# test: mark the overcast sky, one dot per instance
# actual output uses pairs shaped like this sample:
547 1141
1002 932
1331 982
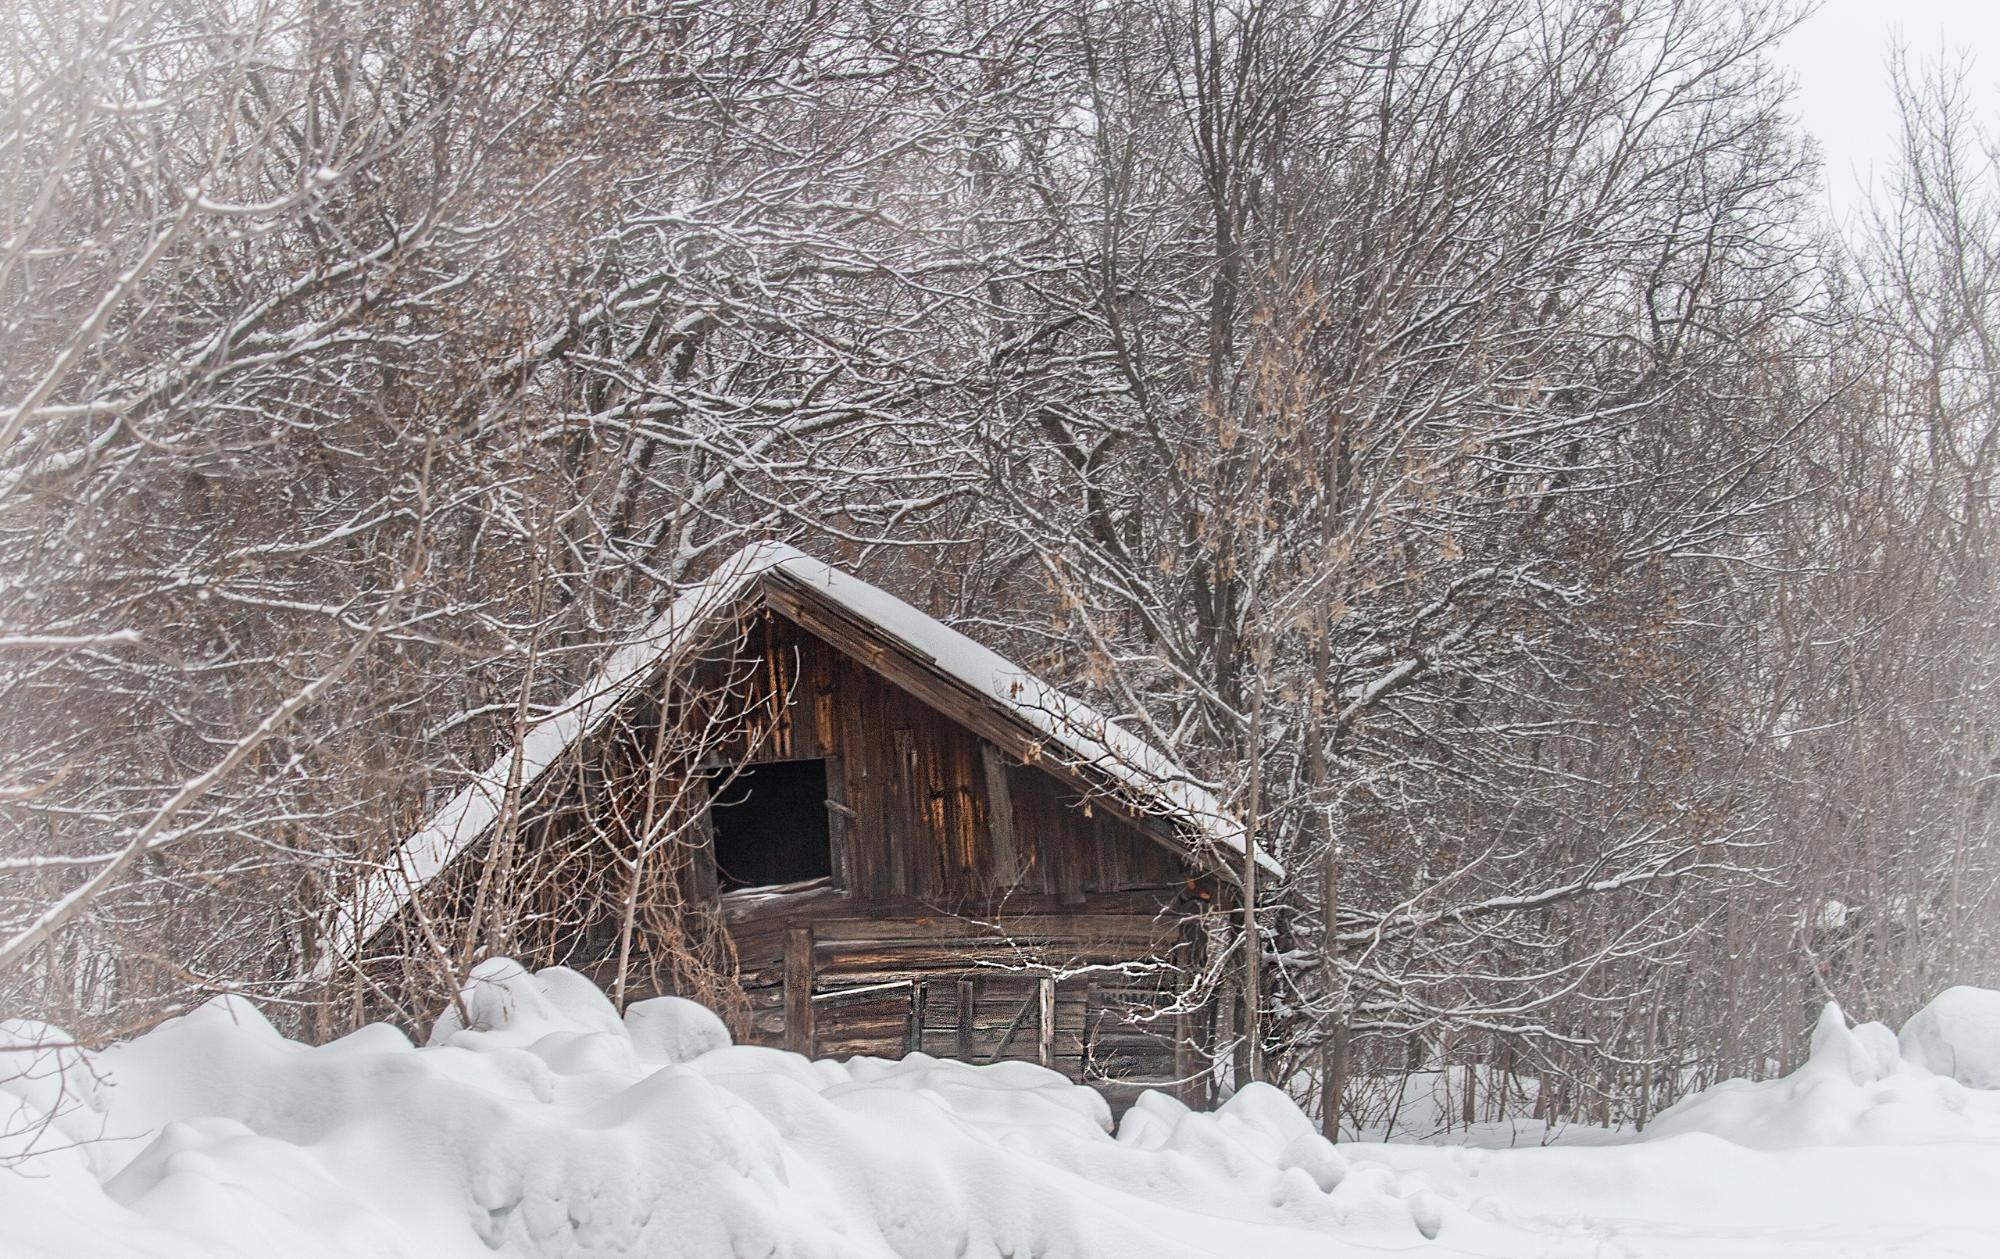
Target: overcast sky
1839 55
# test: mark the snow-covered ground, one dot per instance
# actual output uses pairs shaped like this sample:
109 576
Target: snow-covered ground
543 1124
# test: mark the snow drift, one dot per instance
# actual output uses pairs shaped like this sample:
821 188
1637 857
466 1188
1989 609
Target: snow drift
1856 1088
539 1122
1957 1034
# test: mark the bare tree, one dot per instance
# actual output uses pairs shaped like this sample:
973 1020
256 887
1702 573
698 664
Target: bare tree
1442 426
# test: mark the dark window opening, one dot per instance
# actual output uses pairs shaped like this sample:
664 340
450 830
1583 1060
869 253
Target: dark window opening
770 825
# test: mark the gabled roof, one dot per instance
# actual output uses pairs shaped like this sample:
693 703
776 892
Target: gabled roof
1069 734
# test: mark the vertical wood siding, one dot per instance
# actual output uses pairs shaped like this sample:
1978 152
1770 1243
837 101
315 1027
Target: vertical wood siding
920 791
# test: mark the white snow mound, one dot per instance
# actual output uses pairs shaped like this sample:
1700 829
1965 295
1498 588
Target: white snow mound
1957 1035
1855 1088
538 1122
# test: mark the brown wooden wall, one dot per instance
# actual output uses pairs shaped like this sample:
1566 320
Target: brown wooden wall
946 920
920 790
827 976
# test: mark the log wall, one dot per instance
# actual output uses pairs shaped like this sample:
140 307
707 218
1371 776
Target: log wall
829 976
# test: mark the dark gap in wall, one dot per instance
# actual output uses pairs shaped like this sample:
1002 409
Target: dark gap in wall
771 825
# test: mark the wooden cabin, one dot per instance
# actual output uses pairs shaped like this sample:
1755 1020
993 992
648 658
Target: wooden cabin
910 843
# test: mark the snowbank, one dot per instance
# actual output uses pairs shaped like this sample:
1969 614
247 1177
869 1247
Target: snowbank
1957 1034
1856 1088
539 1122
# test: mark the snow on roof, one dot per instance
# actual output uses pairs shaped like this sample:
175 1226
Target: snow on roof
1081 735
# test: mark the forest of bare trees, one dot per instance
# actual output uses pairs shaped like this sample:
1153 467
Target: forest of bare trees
1454 430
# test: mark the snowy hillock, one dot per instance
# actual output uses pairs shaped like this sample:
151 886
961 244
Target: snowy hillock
1856 1088
1957 1034
538 1121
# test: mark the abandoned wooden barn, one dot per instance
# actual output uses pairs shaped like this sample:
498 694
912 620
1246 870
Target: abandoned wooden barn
903 841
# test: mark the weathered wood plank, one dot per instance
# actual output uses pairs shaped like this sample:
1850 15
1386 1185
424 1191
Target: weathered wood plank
938 967
913 1039
838 816
798 989
1000 818
886 928
962 1018
839 914
1046 989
